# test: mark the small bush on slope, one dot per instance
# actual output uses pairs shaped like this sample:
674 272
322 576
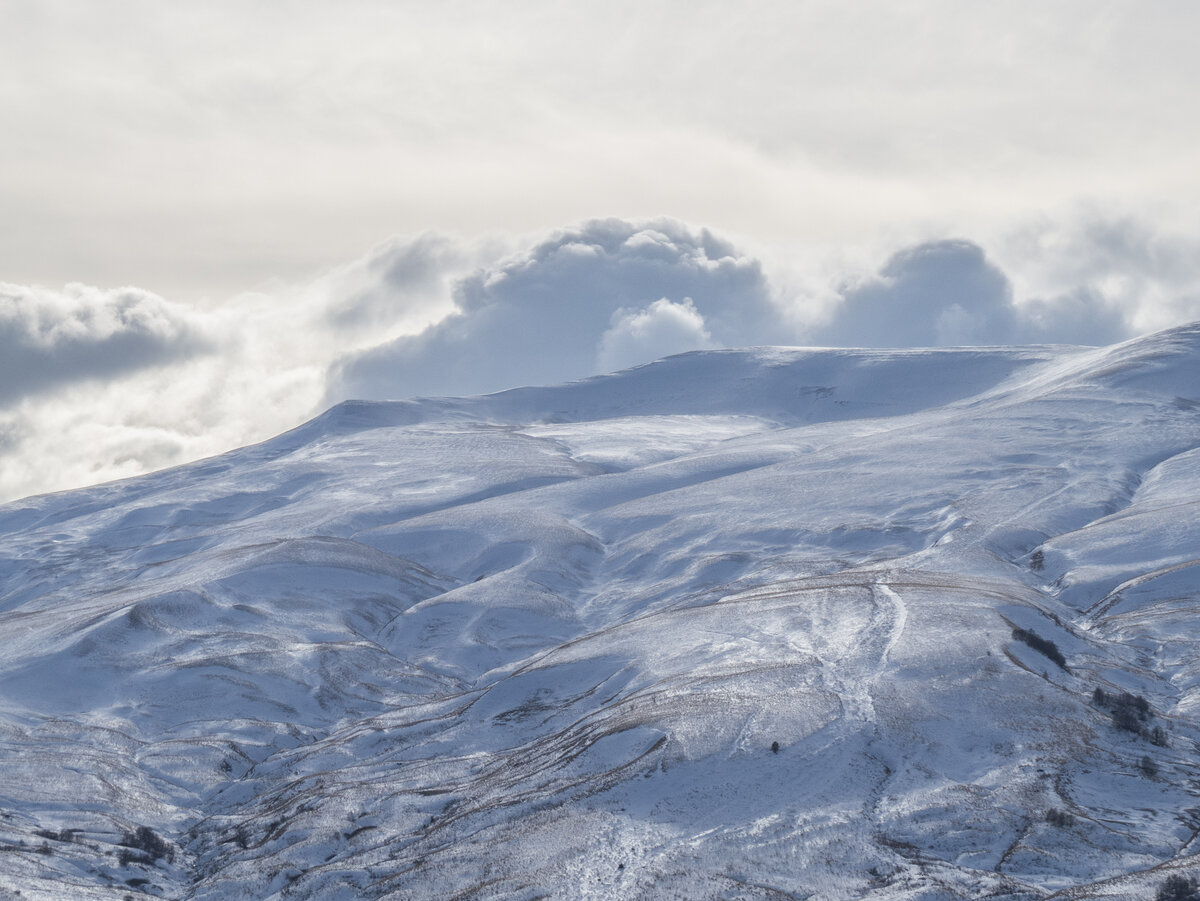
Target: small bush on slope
1178 888
1043 646
144 839
1062 818
1130 712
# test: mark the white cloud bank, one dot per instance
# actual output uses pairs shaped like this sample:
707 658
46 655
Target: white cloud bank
545 314
99 384
659 330
945 293
51 338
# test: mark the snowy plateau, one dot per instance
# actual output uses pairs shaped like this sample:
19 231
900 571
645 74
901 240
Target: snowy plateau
761 623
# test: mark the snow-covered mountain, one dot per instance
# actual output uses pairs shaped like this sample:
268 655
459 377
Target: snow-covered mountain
768 623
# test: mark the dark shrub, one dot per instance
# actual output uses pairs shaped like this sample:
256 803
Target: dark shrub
1129 712
1178 888
144 839
1043 646
1056 817
1124 718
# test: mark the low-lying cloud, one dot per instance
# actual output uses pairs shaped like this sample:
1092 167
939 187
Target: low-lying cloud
53 338
661 329
947 293
611 294
606 292
99 384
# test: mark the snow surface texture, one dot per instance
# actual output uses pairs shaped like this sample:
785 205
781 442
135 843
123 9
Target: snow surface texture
542 643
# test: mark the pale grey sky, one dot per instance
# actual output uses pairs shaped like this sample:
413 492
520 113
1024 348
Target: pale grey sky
206 148
216 217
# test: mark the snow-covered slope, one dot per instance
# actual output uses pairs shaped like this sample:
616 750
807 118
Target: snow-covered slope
733 624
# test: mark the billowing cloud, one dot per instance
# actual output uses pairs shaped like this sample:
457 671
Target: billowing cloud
396 280
100 384
1091 271
569 306
946 293
940 293
50 338
659 330
1079 316
610 294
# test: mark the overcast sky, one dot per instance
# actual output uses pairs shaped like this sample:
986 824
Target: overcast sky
218 217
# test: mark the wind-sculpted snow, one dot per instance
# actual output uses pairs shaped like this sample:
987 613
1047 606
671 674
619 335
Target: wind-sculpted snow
766 623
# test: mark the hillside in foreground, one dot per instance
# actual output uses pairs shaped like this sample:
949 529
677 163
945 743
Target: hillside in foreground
767 623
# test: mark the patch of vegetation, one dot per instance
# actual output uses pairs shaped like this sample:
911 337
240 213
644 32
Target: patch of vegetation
1130 713
1126 718
1178 888
63 835
1043 646
1061 818
1148 767
145 840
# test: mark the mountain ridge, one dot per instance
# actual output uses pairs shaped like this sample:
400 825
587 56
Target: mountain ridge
734 623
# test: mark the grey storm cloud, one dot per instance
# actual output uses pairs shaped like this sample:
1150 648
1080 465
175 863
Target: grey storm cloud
946 293
49 339
608 292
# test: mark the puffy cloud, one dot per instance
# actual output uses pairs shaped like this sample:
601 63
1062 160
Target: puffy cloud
51 338
946 293
940 293
1099 275
661 329
397 279
1079 316
548 314
611 293
96 430
100 384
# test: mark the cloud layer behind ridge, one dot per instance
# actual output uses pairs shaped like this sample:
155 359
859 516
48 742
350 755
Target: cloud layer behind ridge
610 294
99 384
51 338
